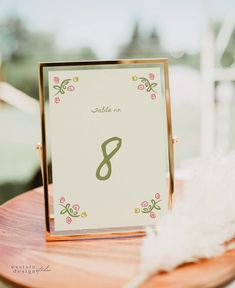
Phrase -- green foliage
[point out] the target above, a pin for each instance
(191, 60)
(86, 53)
(149, 46)
(228, 58)
(22, 74)
(142, 46)
(22, 49)
(13, 38)
(18, 43)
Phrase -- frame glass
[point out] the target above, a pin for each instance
(98, 122)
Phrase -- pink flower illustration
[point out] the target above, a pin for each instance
(151, 76)
(57, 100)
(152, 215)
(141, 87)
(76, 207)
(62, 199)
(70, 88)
(68, 220)
(153, 96)
(56, 80)
(144, 204)
(157, 196)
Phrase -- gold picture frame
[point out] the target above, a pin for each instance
(105, 233)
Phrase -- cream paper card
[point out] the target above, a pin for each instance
(109, 147)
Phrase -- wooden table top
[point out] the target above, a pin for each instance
(85, 263)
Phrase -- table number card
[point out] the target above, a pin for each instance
(111, 148)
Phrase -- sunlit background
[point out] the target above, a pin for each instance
(197, 36)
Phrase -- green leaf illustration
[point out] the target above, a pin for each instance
(61, 88)
(66, 82)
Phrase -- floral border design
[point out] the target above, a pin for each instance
(148, 207)
(147, 85)
(61, 86)
(71, 210)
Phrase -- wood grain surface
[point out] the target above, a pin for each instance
(86, 263)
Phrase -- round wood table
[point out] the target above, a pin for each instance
(28, 261)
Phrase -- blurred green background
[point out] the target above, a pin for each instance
(75, 30)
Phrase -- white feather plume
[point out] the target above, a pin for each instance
(201, 221)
